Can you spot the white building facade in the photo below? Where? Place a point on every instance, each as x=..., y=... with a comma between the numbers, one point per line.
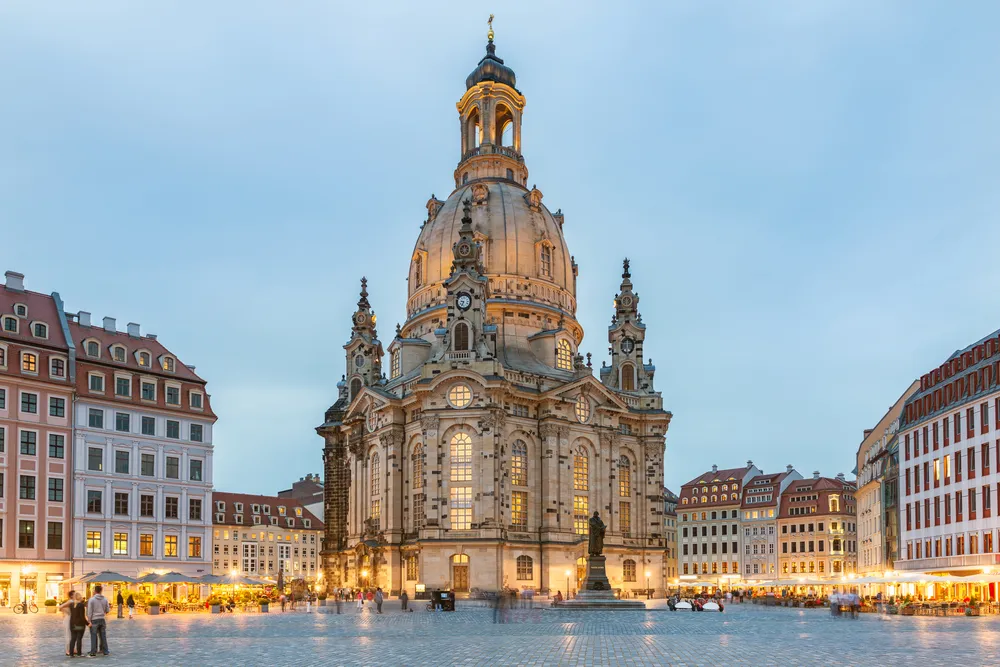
x=142, y=457
x=948, y=478
x=761, y=503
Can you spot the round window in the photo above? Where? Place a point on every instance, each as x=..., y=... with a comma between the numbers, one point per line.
x=582, y=409
x=460, y=396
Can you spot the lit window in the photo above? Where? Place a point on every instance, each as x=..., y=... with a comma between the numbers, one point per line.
x=119, y=353
x=170, y=546
x=519, y=464
x=460, y=507
x=581, y=471
x=624, y=476
x=582, y=409
x=525, y=568
x=460, y=396
x=628, y=570
x=29, y=362
x=625, y=518
x=417, y=460
x=375, y=475
x=394, y=364
x=144, y=359
x=461, y=458
x=121, y=544
x=519, y=510
x=546, y=260
x=168, y=364
x=581, y=515
x=93, y=541
x=564, y=355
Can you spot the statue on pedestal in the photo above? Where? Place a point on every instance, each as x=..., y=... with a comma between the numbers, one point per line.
x=595, y=546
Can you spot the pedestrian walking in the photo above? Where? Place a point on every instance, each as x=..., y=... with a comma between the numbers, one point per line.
x=78, y=622
x=403, y=599
x=121, y=604
x=131, y=607
x=378, y=600
x=283, y=599
x=97, y=610
x=67, y=609
x=361, y=601
x=308, y=603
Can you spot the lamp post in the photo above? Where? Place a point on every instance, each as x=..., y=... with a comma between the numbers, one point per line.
x=24, y=589
x=649, y=596
x=567, y=584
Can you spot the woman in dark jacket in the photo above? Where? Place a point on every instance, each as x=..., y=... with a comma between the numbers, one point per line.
x=78, y=622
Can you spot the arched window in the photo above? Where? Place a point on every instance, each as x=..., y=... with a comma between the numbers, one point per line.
x=581, y=470
x=417, y=466
x=525, y=568
x=465, y=178
x=394, y=368
x=418, y=271
x=355, y=387
x=624, y=476
x=461, y=335
x=93, y=349
x=545, y=260
x=461, y=458
x=564, y=355
x=474, y=130
x=704, y=499
x=510, y=174
x=504, y=125
x=582, y=409
x=723, y=497
x=519, y=464
x=375, y=475
x=628, y=377
x=628, y=570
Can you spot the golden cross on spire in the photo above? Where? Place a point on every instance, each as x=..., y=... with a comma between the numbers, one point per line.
x=489, y=35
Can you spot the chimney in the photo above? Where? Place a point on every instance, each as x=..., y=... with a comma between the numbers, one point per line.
x=789, y=468
x=815, y=474
x=749, y=464
x=133, y=330
x=109, y=325
x=868, y=431
x=151, y=336
x=840, y=477
x=715, y=468
x=15, y=280
x=190, y=367
x=83, y=317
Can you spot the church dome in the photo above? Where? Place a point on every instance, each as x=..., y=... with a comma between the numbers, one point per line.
x=524, y=253
x=491, y=68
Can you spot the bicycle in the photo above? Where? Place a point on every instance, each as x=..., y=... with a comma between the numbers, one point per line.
x=19, y=608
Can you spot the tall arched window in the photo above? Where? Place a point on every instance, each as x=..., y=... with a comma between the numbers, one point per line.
x=461, y=458
x=545, y=260
x=474, y=130
x=581, y=470
x=417, y=466
x=504, y=126
x=624, y=476
x=418, y=271
x=628, y=377
x=461, y=333
x=525, y=568
x=628, y=570
x=519, y=464
x=355, y=387
x=564, y=355
x=581, y=483
x=375, y=475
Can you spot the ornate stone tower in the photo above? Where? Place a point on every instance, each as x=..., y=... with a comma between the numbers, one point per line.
x=364, y=351
x=626, y=335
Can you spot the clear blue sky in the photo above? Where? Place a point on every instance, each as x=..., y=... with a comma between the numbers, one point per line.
x=807, y=191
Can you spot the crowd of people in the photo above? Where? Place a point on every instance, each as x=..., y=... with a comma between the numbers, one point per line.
x=849, y=602
x=91, y=614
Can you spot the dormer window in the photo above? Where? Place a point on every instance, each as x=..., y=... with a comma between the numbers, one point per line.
x=239, y=507
x=290, y=521
x=267, y=509
x=307, y=523
x=20, y=310
x=10, y=324
x=255, y=508
x=274, y=521
x=219, y=518
x=195, y=399
x=93, y=349
x=143, y=359
x=256, y=521
x=281, y=510
x=545, y=260
x=168, y=364
x=29, y=362
x=239, y=518
x=40, y=330
x=220, y=505
x=298, y=511
x=394, y=369
x=564, y=355
x=118, y=353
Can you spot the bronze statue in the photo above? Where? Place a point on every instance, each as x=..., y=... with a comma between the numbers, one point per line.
x=596, y=543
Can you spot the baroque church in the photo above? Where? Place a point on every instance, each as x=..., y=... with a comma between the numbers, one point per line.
x=477, y=460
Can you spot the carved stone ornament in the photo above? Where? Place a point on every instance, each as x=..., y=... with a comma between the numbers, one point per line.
x=534, y=199
x=548, y=431
x=355, y=444
x=609, y=437
x=494, y=420
x=433, y=206
x=429, y=423
x=480, y=193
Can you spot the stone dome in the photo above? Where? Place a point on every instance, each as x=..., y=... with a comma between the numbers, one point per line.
x=491, y=68
x=523, y=250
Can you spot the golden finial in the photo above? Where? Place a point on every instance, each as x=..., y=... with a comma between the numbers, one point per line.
x=489, y=35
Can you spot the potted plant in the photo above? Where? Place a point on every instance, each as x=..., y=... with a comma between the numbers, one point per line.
x=264, y=604
x=908, y=609
x=215, y=604
x=50, y=606
x=322, y=599
x=154, y=607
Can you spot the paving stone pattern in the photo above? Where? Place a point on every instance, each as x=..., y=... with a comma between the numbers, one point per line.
x=743, y=635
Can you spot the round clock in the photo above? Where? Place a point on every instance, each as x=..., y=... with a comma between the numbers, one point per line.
x=360, y=318
x=628, y=345
x=626, y=301
x=464, y=249
x=359, y=361
x=464, y=301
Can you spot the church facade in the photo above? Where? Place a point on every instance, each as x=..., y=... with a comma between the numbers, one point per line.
x=476, y=461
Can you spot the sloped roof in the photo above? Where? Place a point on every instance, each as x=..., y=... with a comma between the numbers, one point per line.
x=248, y=500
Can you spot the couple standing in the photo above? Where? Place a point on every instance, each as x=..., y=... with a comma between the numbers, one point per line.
x=92, y=613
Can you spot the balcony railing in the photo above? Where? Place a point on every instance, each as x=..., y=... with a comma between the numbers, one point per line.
x=945, y=562
x=490, y=149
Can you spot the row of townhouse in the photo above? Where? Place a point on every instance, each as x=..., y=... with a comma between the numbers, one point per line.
x=740, y=525
x=105, y=449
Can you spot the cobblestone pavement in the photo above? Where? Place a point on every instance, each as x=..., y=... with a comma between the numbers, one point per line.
x=743, y=635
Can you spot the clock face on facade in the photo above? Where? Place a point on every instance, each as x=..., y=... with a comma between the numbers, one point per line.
x=626, y=301
x=359, y=361
x=360, y=318
x=464, y=301
x=464, y=249
x=628, y=345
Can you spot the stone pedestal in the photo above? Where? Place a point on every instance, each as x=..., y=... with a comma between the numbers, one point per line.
x=596, y=592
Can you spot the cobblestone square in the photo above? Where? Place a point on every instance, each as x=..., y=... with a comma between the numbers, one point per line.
x=743, y=635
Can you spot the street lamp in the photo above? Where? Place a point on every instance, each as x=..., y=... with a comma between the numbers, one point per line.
x=567, y=584
x=364, y=576
x=24, y=573
x=649, y=595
